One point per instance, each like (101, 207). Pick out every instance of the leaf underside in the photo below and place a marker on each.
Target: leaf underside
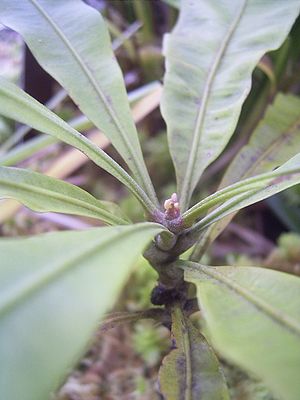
(18, 105)
(210, 56)
(253, 318)
(82, 61)
(51, 304)
(258, 188)
(191, 370)
(45, 194)
(273, 142)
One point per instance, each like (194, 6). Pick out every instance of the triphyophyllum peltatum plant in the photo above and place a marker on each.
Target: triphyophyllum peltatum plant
(56, 287)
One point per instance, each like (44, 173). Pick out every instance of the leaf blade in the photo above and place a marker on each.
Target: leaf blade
(85, 65)
(263, 307)
(273, 142)
(18, 105)
(80, 123)
(274, 182)
(206, 82)
(190, 371)
(45, 194)
(246, 192)
(58, 297)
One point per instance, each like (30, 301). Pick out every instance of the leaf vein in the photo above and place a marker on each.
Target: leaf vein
(260, 304)
(186, 187)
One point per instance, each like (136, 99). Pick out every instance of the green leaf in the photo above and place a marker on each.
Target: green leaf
(5, 131)
(253, 318)
(80, 123)
(18, 105)
(81, 59)
(25, 149)
(210, 56)
(51, 304)
(190, 371)
(42, 193)
(61, 95)
(274, 141)
(248, 192)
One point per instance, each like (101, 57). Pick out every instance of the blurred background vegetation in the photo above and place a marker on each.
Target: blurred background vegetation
(122, 362)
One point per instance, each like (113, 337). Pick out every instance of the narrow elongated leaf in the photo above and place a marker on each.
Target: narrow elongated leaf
(255, 185)
(18, 105)
(5, 131)
(80, 123)
(273, 182)
(274, 141)
(253, 317)
(42, 193)
(191, 371)
(50, 304)
(81, 59)
(210, 57)
(61, 95)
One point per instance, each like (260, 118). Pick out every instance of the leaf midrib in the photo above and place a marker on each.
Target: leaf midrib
(254, 184)
(224, 210)
(186, 186)
(85, 145)
(186, 344)
(94, 84)
(249, 172)
(278, 317)
(64, 198)
(53, 272)
(189, 373)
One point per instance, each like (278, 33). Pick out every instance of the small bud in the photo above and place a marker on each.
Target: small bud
(174, 198)
(171, 207)
(168, 204)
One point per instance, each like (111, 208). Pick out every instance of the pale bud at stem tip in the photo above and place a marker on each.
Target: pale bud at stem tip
(171, 207)
(174, 198)
(168, 204)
